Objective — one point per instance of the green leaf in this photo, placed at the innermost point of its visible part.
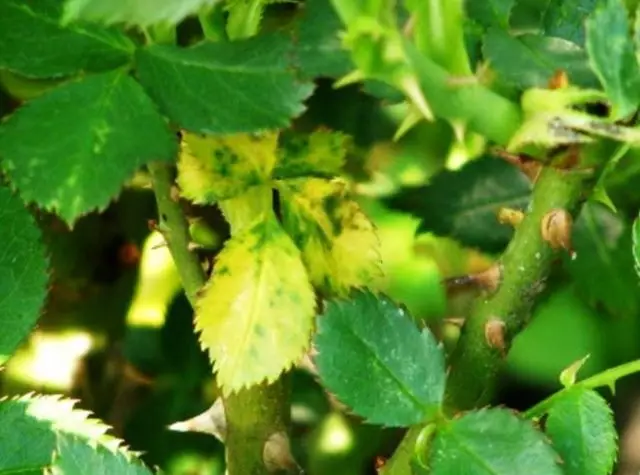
(530, 60)
(581, 428)
(41, 420)
(223, 88)
(603, 269)
(612, 55)
(71, 150)
(374, 359)
(137, 12)
(464, 204)
(76, 457)
(566, 19)
(492, 442)
(321, 153)
(636, 244)
(318, 46)
(34, 44)
(528, 14)
(255, 315)
(23, 272)
(490, 12)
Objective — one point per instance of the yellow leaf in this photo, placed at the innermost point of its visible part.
(255, 315)
(322, 152)
(217, 168)
(338, 242)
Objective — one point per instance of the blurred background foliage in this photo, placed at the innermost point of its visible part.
(117, 333)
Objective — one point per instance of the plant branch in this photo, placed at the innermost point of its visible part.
(175, 229)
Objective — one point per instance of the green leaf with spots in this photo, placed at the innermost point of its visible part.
(34, 44)
(490, 12)
(226, 87)
(612, 55)
(603, 269)
(374, 359)
(320, 153)
(581, 427)
(566, 19)
(491, 442)
(71, 150)
(75, 456)
(44, 421)
(464, 204)
(255, 315)
(526, 61)
(134, 12)
(23, 272)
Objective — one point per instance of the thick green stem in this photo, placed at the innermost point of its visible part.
(254, 415)
(175, 229)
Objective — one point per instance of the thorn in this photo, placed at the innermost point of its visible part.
(494, 335)
(152, 224)
(353, 77)
(556, 228)
(379, 463)
(488, 280)
(174, 193)
(277, 455)
(527, 165)
(568, 375)
(212, 422)
(559, 80)
(512, 217)
(412, 119)
(456, 321)
(193, 246)
(411, 88)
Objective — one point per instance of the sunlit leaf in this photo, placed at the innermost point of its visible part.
(375, 360)
(218, 168)
(582, 430)
(255, 315)
(338, 242)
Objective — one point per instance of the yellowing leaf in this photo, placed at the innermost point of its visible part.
(320, 153)
(338, 242)
(256, 313)
(217, 168)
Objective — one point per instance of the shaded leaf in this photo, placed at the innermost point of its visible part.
(490, 12)
(528, 14)
(320, 153)
(82, 155)
(226, 87)
(464, 204)
(255, 315)
(138, 12)
(318, 46)
(492, 442)
(603, 267)
(636, 244)
(75, 456)
(34, 44)
(373, 358)
(612, 56)
(530, 60)
(23, 272)
(218, 168)
(581, 428)
(338, 242)
(566, 19)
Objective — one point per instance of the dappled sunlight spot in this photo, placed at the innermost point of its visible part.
(336, 437)
(158, 283)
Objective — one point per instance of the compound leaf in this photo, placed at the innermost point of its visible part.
(23, 272)
(373, 358)
(71, 150)
(75, 456)
(138, 12)
(492, 442)
(603, 267)
(34, 44)
(256, 313)
(581, 428)
(211, 169)
(226, 87)
(464, 204)
(612, 56)
(320, 153)
(338, 242)
(530, 60)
